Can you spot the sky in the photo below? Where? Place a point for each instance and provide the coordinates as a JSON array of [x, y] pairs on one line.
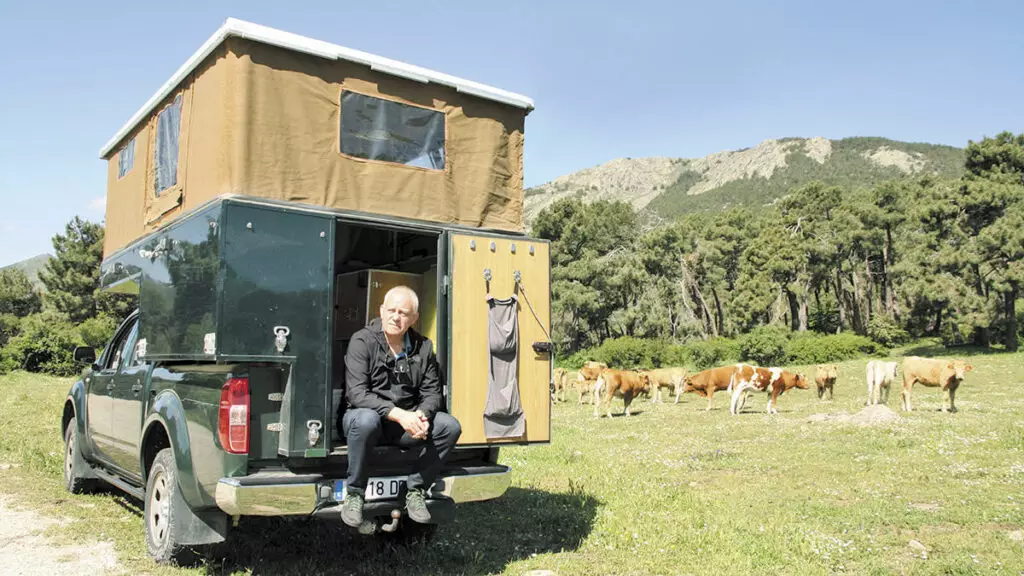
[[609, 79]]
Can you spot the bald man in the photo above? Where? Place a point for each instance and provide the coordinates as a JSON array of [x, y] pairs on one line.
[[393, 396]]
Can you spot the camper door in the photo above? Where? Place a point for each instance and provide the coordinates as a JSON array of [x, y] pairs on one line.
[[499, 348]]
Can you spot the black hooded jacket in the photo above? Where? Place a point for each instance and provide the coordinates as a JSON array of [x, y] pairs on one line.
[[373, 381]]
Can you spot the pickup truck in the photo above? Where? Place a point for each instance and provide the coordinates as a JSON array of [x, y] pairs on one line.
[[219, 397]]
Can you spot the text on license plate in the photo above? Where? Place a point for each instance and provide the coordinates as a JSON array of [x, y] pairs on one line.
[[376, 488]]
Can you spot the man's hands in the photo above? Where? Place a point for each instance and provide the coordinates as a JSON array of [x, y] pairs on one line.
[[415, 423]]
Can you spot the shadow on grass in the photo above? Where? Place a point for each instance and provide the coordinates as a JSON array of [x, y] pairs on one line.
[[935, 350], [485, 537]]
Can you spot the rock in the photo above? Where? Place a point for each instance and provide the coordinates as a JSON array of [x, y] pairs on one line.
[[917, 547], [1016, 535]]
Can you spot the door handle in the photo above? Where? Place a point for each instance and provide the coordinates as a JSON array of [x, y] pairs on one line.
[[136, 388], [110, 387]]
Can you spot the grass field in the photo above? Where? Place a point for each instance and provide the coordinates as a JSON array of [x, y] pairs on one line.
[[670, 490]]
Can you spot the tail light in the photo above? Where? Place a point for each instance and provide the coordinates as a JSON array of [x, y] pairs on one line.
[[233, 420]]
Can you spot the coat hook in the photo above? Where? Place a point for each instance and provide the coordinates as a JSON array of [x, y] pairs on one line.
[[531, 249], [487, 274], [518, 277], [472, 244], [493, 247], [513, 247]]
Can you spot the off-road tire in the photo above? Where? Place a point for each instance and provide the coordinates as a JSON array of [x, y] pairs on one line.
[[74, 462], [162, 496]]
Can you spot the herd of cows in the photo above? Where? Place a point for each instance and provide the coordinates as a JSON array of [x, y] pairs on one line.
[[597, 380]]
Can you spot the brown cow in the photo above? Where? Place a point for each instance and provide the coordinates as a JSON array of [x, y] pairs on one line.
[[560, 382], [665, 378], [931, 372], [625, 383], [587, 377], [709, 381], [774, 380], [825, 377]]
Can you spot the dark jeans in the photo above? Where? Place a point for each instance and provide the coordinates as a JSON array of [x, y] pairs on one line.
[[364, 429]]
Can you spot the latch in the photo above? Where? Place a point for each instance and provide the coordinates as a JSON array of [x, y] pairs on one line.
[[281, 338], [314, 427]]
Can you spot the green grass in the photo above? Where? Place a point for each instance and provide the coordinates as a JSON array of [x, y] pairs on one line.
[[670, 490]]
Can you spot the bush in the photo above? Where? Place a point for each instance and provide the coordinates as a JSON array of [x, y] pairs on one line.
[[45, 343], [9, 324], [703, 354], [764, 345], [816, 348], [883, 330], [96, 332], [574, 361], [626, 353]]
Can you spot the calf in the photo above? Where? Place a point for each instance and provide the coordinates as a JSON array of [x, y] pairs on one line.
[[774, 380], [707, 382], [624, 383], [880, 375], [667, 377], [825, 377], [560, 381], [587, 377], [947, 374]]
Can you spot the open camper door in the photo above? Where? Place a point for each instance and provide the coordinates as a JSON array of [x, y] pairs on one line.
[[499, 377]]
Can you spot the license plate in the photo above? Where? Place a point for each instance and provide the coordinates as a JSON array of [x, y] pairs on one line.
[[376, 488]]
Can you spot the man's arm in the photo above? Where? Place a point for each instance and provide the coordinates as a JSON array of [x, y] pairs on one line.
[[357, 379], [431, 399]]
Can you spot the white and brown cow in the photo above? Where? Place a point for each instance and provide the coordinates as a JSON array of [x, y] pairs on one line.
[[587, 377], [707, 382], [776, 381], [825, 376], [626, 384], [667, 378], [880, 375], [947, 374]]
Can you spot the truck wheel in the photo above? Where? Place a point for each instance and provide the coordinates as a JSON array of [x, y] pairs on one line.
[[73, 463], [162, 494]]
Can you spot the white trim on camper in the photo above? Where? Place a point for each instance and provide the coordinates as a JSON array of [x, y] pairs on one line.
[[255, 32]]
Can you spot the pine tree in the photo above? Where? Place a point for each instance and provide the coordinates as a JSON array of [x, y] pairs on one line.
[[72, 276]]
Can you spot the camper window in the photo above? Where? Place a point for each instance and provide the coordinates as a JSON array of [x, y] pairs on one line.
[[126, 159], [168, 124], [378, 129]]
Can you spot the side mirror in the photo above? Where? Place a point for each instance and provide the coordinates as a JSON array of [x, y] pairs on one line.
[[85, 355]]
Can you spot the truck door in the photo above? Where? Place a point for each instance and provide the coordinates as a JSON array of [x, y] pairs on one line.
[[516, 273], [100, 386], [126, 407]]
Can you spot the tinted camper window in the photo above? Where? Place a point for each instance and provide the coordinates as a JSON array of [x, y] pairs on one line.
[[126, 159], [165, 157], [378, 129]]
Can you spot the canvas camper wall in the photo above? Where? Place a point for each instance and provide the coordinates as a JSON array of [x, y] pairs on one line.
[[271, 115]]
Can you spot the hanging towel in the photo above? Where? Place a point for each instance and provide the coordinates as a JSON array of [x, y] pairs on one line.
[[503, 415]]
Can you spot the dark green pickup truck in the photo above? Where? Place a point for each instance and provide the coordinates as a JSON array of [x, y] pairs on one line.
[[219, 397]]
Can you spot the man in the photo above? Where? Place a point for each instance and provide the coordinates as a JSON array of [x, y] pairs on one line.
[[393, 394]]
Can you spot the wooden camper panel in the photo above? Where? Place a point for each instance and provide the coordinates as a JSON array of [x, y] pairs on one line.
[[470, 358]]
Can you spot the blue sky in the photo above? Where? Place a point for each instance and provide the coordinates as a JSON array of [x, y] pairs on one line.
[[610, 79]]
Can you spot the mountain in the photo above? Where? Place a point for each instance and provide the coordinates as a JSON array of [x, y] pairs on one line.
[[31, 268], [666, 188]]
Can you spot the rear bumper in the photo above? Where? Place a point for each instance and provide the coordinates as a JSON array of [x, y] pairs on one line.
[[284, 494]]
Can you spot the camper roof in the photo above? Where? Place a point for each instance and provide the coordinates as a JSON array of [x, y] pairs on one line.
[[287, 40]]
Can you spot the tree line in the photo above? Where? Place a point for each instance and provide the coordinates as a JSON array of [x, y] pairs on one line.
[[920, 256]]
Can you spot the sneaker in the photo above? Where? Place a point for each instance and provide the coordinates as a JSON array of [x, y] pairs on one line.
[[352, 509], [416, 505]]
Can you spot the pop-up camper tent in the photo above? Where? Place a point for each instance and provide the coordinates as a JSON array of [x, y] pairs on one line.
[[265, 113]]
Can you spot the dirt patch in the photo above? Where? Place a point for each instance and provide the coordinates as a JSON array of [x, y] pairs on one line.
[[886, 156], [868, 416], [24, 551]]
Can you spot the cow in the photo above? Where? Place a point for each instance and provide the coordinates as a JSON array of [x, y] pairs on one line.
[[880, 375], [947, 374], [587, 377], [774, 380], [707, 382], [560, 381], [625, 383], [825, 377], [664, 378]]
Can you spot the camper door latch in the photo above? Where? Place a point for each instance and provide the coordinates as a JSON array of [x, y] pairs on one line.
[[445, 282], [281, 338], [542, 347], [314, 427]]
